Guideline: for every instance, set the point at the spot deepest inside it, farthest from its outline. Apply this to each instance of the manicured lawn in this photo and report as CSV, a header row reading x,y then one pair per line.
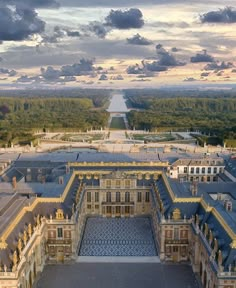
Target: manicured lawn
x,y
117,123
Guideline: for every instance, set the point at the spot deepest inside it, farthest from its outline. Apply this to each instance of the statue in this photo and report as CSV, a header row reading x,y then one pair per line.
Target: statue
x,y
38,220
25,237
30,232
15,259
20,245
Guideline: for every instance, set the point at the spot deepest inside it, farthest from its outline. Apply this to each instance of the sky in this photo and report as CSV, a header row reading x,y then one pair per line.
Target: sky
x,y
116,44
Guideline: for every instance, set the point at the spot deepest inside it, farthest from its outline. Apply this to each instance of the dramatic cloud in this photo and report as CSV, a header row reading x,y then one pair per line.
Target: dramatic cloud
x,y
165,58
154,66
226,15
10,73
103,77
125,19
202,57
33,3
138,40
134,69
97,28
19,23
219,66
83,67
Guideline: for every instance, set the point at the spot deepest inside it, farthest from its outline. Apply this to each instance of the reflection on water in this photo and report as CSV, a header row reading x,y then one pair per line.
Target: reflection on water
x,y
117,103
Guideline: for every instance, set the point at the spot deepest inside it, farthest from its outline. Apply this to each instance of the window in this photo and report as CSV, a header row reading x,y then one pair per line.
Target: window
x,y
89,206
59,233
147,196
192,170
209,170
127,183
203,170
117,183
176,233
139,197
88,196
108,209
215,169
127,209
185,169
197,170
127,197
96,196
117,209
108,197
208,178
108,184
117,196
96,207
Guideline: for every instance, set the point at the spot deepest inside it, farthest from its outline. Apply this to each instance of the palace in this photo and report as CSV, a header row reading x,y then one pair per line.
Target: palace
x,y
46,205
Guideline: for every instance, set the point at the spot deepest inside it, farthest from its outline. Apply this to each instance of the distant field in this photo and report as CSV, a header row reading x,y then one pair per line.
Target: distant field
x,y
117,123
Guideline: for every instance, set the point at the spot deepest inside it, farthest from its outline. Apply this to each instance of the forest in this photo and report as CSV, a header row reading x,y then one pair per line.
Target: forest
x,y
21,117
215,116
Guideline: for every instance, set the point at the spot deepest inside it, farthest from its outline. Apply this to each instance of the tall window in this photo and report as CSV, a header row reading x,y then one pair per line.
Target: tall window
x,y
147,197
209,170
127,183
139,197
127,197
59,233
192,170
176,233
203,170
185,169
215,169
108,197
108,183
88,196
96,196
117,196
197,170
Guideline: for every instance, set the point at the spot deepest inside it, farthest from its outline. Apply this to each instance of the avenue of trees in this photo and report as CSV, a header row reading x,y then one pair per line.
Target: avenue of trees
x,y
21,117
214,116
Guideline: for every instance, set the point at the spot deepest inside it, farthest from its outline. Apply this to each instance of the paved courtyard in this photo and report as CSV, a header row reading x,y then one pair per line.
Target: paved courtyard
x,y
117,275
118,237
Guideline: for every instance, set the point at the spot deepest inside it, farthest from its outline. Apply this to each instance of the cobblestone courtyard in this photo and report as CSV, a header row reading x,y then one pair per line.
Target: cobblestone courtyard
x,y
118,237
117,275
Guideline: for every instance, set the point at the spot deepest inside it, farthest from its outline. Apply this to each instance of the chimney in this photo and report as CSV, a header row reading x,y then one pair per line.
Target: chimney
x,y
194,188
14,183
61,180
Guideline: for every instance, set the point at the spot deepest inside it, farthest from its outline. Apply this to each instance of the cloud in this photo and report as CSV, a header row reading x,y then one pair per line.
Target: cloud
x,y
27,79
117,77
10,73
140,80
33,3
73,33
19,23
103,77
189,79
83,67
165,58
205,74
97,28
154,66
202,57
233,71
134,69
174,49
137,39
1,59
226,15
219,65
125,19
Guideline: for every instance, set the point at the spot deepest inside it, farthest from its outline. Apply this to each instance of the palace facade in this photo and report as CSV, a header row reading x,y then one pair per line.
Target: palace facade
x,y
44,206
